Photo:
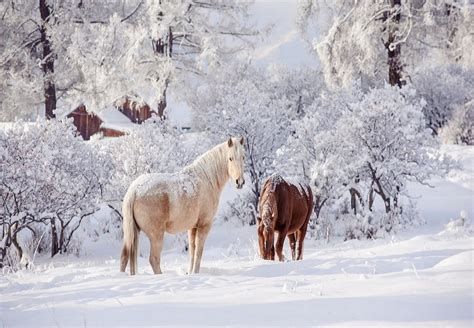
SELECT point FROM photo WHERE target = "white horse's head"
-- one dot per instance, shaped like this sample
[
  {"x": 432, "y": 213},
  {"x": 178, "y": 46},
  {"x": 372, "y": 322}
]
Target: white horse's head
[{"x": 236, "y": 160}]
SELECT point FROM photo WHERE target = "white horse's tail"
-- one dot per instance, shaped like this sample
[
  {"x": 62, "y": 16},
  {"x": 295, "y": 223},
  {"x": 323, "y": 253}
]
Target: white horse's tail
[{"x": 130, "y": 233}]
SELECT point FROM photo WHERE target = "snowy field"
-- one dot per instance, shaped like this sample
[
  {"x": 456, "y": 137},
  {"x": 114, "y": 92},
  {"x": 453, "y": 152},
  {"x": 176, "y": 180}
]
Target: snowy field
[{"x": 419, "y": 277}]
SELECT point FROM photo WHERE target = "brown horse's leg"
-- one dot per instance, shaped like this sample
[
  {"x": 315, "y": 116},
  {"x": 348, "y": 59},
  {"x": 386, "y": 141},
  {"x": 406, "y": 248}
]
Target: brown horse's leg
[
  {"x": 292, "y": 239},
  {"x": 192, "y": 247},
  {"x": 279, "y": 245},
  {"x": 156, "y": 244},
  {"x": 124, "y": 258},
  {"x": 202, "y": 232},
  {"x": 261, "y": 241},
  {"x": 300, "y": 237}
]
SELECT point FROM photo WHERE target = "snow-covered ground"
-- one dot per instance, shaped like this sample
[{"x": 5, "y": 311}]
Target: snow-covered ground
[{"x": 419, "y": 277}]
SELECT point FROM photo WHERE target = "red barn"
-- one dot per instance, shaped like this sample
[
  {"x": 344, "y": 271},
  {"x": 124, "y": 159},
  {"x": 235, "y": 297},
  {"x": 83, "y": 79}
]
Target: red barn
[
  {"x": 113, "y": 121},
  {"x": 134, "y": 108},
  {"x": 87, "y": 124}
]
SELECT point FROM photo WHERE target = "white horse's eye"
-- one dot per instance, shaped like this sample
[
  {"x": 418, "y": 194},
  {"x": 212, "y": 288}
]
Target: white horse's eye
[{"x": 230, "y": 159}]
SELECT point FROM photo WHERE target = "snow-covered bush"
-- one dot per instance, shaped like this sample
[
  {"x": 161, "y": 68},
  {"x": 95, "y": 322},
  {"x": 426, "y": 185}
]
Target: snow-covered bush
[
  {"x": 460, "y": 129},
  {"x": 362, "y": 150},
  {"x": 445, "y": 89},
  {"x": 48, "y": 176},
  {"x": 240, "y": 210}
]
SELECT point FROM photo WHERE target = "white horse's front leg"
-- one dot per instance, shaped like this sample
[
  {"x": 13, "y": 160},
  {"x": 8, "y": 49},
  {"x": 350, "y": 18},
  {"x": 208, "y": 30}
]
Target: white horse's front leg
[
  {"x": 192, "y": 247},
  {"x": 156, "y": 245},
  {"x": 201, "y": 235}
]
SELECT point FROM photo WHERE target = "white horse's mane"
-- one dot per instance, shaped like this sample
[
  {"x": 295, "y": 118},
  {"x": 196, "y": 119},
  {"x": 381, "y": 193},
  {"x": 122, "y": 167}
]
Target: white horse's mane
[{"x": 211, "y": 166}]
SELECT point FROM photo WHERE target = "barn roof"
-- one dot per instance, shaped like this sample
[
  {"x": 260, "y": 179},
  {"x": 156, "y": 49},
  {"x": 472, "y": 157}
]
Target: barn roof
[{"x": 112, "y": 118}]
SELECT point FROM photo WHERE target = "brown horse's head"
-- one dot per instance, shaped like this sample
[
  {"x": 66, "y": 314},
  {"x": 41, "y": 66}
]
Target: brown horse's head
[{"x": 265, "y": 233}]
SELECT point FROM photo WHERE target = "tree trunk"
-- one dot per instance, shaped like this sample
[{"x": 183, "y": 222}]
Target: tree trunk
[
  {"x": 17, "y": 246},
  {"x": 394, "y": 51},
  {"x": 164, "y": 48},
  {"x": 54, "y": 238},
  {"x": 371, "y": 197},
  {"x": 318, "y": 205},
  {"x": 62, "y": 246},
  {"x": 255, "y": 188},
  {"x": 47, "y": 62},
  {"x": 3, "y": 255},
  {"x": 3, "y": 250},
  {"x": 162, "y": 103},
  {"x": 354, "y": 195},
  {"x": 379, "y": 190}
]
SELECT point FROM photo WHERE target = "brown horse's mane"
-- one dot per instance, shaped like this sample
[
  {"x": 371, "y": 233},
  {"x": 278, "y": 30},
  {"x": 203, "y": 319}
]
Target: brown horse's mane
[{"x": 268, "y": 203}]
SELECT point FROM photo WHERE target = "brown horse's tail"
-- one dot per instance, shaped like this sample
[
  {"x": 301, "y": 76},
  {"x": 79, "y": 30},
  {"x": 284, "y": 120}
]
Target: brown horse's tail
[{"x": 130, "y": 233}]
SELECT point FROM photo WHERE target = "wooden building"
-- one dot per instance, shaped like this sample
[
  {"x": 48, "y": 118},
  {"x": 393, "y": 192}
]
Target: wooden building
[
  {"x": 134, "y": 108},
  {"x": 87, "y": 124},
  {"x": 114, "y": 121}
]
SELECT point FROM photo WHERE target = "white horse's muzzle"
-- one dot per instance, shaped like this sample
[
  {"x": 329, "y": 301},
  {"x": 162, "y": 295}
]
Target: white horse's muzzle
[{"x": 239, "y": 183}]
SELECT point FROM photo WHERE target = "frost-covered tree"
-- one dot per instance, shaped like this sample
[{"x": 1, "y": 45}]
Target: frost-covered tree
[
  {"x": 444, "y": 88},
  {"x": 305, "y": 146},
  {"x": 460, "y": 129},
  {"x": 368, "y": 39},
  {"x": 48, "y": 176},
  {"x": 27, "y": 59},
  {"x": 164, "y": 42},
  {"x": 364, "y": 147},
  {"x": 37, "y": 60},
  {"x": 96, "y": 52}
]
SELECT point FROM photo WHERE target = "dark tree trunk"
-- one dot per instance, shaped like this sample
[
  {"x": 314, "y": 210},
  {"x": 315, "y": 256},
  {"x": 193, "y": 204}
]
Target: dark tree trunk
[
  {"x": 254, "y": 175},
  {"x": 164, "y": 47},
  {"x": 3, "y": 255},
  {"x": 162, "y": 103},
  {"x": 3, "y": 250},
  {"x": 17, "y": 246},
  {"x": 54, "y": 238},
  {"x": 318, "y": 205},
  {"x": 394, "y": 51},
  {"x": 379, "y": 189},
  {"x": 62, "y": 245},
  {"x": 47, "y": 62},
  {"x": 371, "y": 197},
  {"x": 355, "y": 194}
]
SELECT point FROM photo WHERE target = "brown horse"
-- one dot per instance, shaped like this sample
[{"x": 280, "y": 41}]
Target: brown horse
[{"x": 285, "y": 207}]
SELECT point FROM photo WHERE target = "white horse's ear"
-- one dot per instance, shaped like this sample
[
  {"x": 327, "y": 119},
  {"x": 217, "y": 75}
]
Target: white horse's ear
[
  {"x": 242, "y": 141},
  {"x": 229, "y": 142}
]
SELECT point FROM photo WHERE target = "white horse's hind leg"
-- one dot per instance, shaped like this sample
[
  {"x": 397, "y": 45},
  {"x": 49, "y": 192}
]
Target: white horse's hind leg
[
  {"x": 156, "y": 245},
  {"x": 124, "y": 258},
  {"x": 201, "y": 236},
  {"x": 192, "y": 247}
]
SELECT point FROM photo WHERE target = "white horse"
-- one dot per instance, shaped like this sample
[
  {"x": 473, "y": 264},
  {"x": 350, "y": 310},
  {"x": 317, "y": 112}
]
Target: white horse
[{"x": 187, "y": 200}]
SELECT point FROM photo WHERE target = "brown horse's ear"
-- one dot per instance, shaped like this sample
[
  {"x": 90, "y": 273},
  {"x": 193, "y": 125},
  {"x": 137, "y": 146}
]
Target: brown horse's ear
[
  {"x": 229, "y": 142},
  {"x": 242, "y": 141}
]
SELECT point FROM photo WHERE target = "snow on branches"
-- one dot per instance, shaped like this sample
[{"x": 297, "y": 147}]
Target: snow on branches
[
  {"x": 48, "y": 176},
  {"x": 365, "y": 148}
]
